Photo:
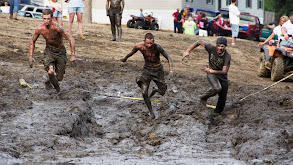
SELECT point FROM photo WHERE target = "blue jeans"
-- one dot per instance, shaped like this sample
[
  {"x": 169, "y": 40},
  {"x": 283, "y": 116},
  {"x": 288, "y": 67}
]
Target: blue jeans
[
  {"x": 14, "y": 5},
  {"x": 176, "y": 26},
  {"x": 75, "y": 10}
]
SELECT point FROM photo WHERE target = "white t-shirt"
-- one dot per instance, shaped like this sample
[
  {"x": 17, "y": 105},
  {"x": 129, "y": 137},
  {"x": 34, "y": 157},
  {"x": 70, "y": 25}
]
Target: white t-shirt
[
  {"x": 234, "y": 14},
  {"x": 278, "y": 31},
  {"x": 289, "y": 26},
  {"x": 75, "y": 3}
]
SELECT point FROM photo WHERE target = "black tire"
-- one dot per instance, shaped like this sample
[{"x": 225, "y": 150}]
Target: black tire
[
  {"x": 262, "y": 71},
  {"x": 154, "y": 26},
  {"x": 139, "y": 25},
  {"x": 130, "y": 24},
  {"x": 277, "y": 72}
]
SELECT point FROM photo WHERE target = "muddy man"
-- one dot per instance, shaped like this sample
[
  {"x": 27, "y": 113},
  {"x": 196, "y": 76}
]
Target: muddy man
[
  {"x": 114, "y": 10},
  {"x": 152, "y": 70},
  {"x": 55, "y": 53}
]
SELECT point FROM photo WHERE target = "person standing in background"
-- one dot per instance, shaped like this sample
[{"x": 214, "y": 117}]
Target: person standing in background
[
  {"x": 57, "y": 11},
  {"x": 234, "y": 14},
  {"x": 114, "y": 9},
  {"x": 179, "y": 19},
  {"x": 175, "y": 15},
  {"x": 189, "y": 26},
  {"x": 14, "y": 6},
  {"x": 76, "y": 7}
]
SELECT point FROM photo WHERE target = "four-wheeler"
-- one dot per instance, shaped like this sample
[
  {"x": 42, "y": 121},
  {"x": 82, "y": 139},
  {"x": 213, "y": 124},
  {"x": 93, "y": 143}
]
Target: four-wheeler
[
  {"x": 146, "y": 22},
  {"x": 276, "y": 62}
]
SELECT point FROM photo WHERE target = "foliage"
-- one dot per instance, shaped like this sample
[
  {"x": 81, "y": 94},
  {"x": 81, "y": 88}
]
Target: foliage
[
  {"x": 283, "y": 7},
  {"x": 269, "y": 5}
]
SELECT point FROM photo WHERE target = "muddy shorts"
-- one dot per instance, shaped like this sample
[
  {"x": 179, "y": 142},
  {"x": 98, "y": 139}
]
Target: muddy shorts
[
  {"x": 57, "y": 58},
  {"x": 115, "y": 12},
  {"x": 156, "y": 74}
]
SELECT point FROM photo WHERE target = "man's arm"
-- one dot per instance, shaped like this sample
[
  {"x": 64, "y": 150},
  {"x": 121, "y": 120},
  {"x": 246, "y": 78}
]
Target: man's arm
[
  {"x": 134, "y": 50},
  {"x": 196, "y": 44},
  {"x": 71, "y": 42},
  {"x": 166, "y": 55},
  {"x": 224, "y": 71},
  {"x": 107, "y": 7},
  {"x": 284, "y": 32},
  {"x": 32, "y": 47},
  {"x": 122, "y": 5}
]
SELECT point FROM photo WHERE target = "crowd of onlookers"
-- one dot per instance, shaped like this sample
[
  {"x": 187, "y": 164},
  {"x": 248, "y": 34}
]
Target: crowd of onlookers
[
  {"x": 185, "y": 22},
  {"x": 75, "y": 7}
]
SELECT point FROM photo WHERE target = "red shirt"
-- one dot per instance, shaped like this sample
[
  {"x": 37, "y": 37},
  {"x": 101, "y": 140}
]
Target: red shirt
[
  {"x": 175, "y": 14},
  {"x": 198, "y": 18}
]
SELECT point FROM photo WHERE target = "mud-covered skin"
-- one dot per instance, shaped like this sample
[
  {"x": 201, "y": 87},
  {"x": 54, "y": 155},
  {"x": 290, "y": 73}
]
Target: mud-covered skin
[
  {"x": 114, "y": 10},
  {"x": 151, "y": 52}
]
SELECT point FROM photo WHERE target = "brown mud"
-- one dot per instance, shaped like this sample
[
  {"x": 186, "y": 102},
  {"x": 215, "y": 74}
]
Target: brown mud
[{"x": 83, "y": 126}]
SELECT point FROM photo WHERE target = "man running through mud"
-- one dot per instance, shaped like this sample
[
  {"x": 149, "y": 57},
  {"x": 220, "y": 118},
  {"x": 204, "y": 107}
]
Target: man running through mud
[
  {"x": 114, "y": 10},
  {"x": 152, "y": 70},
  {"x": 219, "y": 63},
  {"x": 55, "y": 53}
]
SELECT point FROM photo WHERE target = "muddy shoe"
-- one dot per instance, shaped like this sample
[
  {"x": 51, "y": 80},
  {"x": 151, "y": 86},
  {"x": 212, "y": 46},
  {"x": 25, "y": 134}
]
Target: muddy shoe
[
  {"x": 113, "y": 39},
  {"x": 203, "y": 104},
  {"x": 152, "y": 116},
  {"x": 48, "y": 85}
]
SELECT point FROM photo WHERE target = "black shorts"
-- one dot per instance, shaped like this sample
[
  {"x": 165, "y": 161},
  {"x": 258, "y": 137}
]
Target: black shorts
[{"x": 153, "y": 73}]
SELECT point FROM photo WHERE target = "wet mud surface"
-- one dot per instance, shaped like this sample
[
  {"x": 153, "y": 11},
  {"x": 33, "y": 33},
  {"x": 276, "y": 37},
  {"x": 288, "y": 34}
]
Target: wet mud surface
[{"x": 84, "y": 125}]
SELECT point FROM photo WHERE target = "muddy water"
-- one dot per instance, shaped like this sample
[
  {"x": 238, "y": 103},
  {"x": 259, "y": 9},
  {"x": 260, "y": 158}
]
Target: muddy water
[{"x": 84, "y": 126}]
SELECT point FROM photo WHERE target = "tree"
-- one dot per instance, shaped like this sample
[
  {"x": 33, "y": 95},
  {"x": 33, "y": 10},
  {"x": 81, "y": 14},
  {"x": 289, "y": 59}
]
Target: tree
[
  {"x": 269, "y": 5},
  {"x": 283, "y": 7}
]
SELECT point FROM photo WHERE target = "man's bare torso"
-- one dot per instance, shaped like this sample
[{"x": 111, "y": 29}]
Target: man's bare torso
[
  {"x": 151, "y": 55},
  {"x": 52, "y": 35},
  {"x": 115, "y": 4}
]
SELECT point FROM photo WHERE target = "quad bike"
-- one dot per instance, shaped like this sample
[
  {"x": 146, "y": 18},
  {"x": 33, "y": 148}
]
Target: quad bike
[
  {"x": 276, "y": 62},
  {"x": 147, "y": 22}
]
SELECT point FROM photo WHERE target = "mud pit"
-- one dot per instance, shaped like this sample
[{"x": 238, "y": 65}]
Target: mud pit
[{"x": 83, "y": 126}]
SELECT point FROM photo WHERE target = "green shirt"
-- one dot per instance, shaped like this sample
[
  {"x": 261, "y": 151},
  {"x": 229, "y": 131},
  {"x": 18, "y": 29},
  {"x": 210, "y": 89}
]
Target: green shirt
[{"x": 189, "y": 27}]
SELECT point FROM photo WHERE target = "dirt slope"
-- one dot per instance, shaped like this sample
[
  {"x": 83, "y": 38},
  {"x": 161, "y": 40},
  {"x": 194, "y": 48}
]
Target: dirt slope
[{"x": 83, "y": 126}]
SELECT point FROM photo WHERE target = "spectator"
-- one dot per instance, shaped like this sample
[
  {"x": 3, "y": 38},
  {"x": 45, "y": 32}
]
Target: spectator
[
  {"x": 277, "y": 31},
  {"x": 141, "y": 13},
  {"x": 287, "y": 31},
  {"x": 76, "y": 7},
  {"x": 180, "y": 24},
  {"x": 175, "y": 15},
  {"x": 216, "y": 29},
  {"x": 234, "y": 14},
  {"x": 57, "y": 11},
  {"x": 5, "y": 8},
  {"x": 14, "y": 6},
  {"x": 189, "y": 26},
  {"x": 203, "y": 25},
  {"x": 198, "y": 18}
]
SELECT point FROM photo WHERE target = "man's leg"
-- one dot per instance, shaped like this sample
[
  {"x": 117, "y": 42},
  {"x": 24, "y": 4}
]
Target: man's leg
[
  {"x": 119, "y": 27},
  {"x": 53, "y": 79},
  {"x": 215, "y": 89},
  {"x": 222, "y": 96},
  {"x": 147, "y": 100},
  {"x": 113, "y": 28}
]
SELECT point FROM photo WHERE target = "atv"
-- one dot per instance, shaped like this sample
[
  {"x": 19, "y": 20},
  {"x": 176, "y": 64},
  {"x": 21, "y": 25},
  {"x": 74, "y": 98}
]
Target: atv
[
  {"x": 147, "y": 22},
  {"x": 276, "y": 62}
]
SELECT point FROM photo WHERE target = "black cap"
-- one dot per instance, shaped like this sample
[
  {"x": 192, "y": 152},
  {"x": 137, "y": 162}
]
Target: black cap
[{"x": 222, "y": 40}]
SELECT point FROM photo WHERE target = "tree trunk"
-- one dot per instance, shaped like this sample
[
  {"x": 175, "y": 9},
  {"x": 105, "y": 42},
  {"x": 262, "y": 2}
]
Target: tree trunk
[{"x": 87, "y": 16}]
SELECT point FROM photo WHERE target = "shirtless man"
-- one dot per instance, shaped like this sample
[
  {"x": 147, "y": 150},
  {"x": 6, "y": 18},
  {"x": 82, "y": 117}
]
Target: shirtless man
[
  {"x": 55, "y": 53},
  {"x": 114, "y": 10},
  {"x": 152, "y": 70}
]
